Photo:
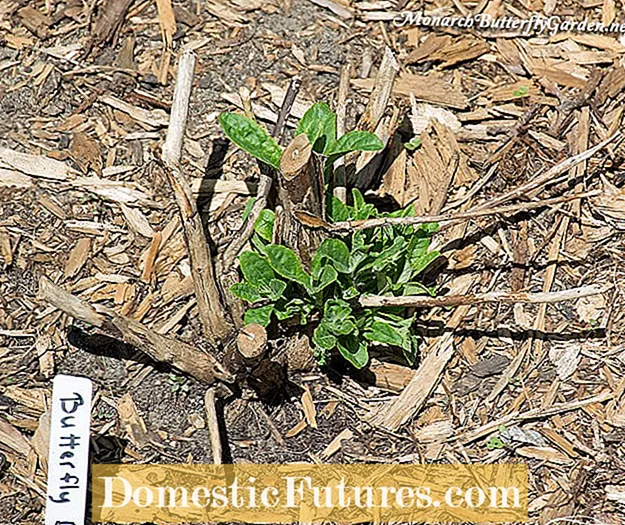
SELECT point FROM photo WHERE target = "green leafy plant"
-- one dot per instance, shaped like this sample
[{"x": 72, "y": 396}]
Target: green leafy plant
[
  {"x": 319, "y": 125},
  {"x": 380, "y": 261}
]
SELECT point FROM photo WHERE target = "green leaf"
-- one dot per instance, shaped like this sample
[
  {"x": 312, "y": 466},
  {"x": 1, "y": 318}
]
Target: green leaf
[
  {"x": 292, "y": 308},
  {"x": 359, "y": 199},
  {"x": 390, "y": 254},
  {"x": 418, "y": 289},
  {"x": 320, "y": 355},
  {"x": 348, "y": 326},
  {"x": 261, "y": 316},
  {"x": 258, "y": 243},
  {"x": 354, "y": 351},
  {"x": 411, "y": 351},
  {"x": 408, "y": 211},
  {"x": 521, "y": 92},
  {"x": 355, "y": 141},
  {"x": 413, "y": 143},
  {"x": 338, "y": 317},
  {"x": 421, "y": 263},
  {"x": 350, "y": 293},
  {"x": 429, "y": 228},
  {"x": 319, "y": 124},
  {"x": 419, "y": 246},
  {"x": 246, "y": 291},
  {"x": 327, "y": 276},
  {"x": 284, "y": 261},
  {"x": 272, "y": 290},
  {"x": 335, "y": 250},
  {"x": 323, "y": 338},
  {"x": 248, "y": 208},
  {"x": 362, "y": 210},
  {"x": 251, "y": 137},
  {"x": 383, "y": 333},
  {"x": 339, "y": 211},
  {"x": 264, "y": 224},
  {"x": 336, "y": 311},
  {"x": 494, "y": 443},
  {"x": 255, "y": 268}
]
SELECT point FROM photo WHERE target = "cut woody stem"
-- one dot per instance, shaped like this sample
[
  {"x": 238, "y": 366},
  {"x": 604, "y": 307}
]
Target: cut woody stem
[
  {"x": 212, "y": 313},
  {"x": 182, "y": 356}
]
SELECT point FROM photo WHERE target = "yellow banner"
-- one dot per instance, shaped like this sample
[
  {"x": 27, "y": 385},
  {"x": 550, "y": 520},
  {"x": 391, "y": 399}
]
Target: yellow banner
[{"x": 302, "y": 493}]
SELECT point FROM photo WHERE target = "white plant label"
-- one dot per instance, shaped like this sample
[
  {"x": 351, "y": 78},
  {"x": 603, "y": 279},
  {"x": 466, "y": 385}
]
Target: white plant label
[{"x": 68, "y": 461}]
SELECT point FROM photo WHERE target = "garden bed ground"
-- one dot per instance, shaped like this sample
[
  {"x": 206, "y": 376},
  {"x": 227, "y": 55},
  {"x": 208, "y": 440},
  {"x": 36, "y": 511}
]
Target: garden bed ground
[{"x": 542, "y": 384}]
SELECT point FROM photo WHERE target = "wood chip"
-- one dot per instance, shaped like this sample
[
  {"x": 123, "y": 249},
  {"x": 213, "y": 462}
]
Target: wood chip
[
  {"x": 35, "y": 21},
  {"x": 335, "y": 445},
  {"x": 12, "y": 440},
  {"x": 390, "y": 376},
  {"x": 427, "y": 88},
  {"x": 45, "y": 354},
  {"x": 611, "y": 204},
  {"x": 155, "y": 118},
  {"x": 87, "y": 153},
  {"x": 6, "y": 252},
  {"x": 297, "y": 429},
  {"x": 551, "y": 455},
  {"x": 14, "y": 179},
  {"x": 615, "y": 493},
  {"x": 566, "y": 358},
  {"x": 167, "y": 21},
  {"x": 41, "y": 440},
  {"x": 226, "y": 13},
  {"x": 310, "y": 412},
  {"x": 77, "y": 257},
  {"x": 462, "y": 50},
  {"x": 133, "y": 423},
  {"x": 337, "y": 8},
  {"x": 434, "y": 432},
  {"x": 137, "y": 221},
  {"x": 34, "y": 165},
  {"x": 121, "y": 192}
]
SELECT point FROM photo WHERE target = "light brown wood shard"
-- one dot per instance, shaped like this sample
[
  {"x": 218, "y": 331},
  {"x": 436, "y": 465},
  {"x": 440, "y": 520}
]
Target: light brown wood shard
[
  {"x": 77, "y": 257},
  {"x": 133, "y": 423}
]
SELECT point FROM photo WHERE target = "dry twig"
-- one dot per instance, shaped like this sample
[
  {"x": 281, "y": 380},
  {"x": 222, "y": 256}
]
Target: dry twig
[
  {"x": 473, "y": 213},
  {"x": 536, "y": 413},
  {"x": 421, "y": 301},
  {"x": 212, "y": 422}
]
